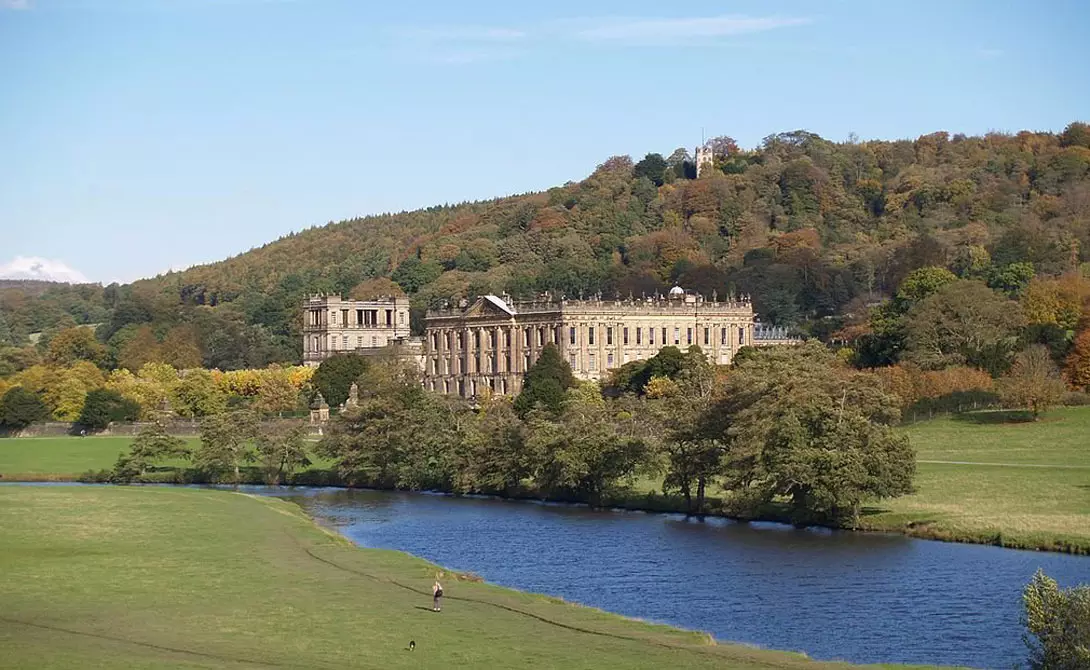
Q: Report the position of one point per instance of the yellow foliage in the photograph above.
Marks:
(1062, 301)
(661, 387)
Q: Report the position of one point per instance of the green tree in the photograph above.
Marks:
(281, 450)
(693, 448)
(587, 449)
(964, 323)
(493, 457)
(414, 274)
(545, 383)
(226, 443)
(919, 285)
(7, 339)
(1058, 623)
(798, 425)
(335, 376)
(101, 407)
(1033, 382)
(19, 408)
(1011, 279)
(653, 166)
(151, 446)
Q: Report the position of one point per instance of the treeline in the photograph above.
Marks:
(84, 394)
(814, 230)
(793, 429)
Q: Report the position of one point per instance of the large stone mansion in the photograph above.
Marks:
(491, 342)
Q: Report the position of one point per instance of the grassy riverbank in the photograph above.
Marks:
(987, 477)
(160, 577)
(982, 478)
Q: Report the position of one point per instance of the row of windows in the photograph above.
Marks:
(446, 386)
(363, 317)
(442, 366)
(450, 339)
(573, 336)
(342, 343)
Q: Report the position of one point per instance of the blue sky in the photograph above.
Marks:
(142, 135)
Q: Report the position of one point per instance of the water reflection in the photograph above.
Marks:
(832, 594)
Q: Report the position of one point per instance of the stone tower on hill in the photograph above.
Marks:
(704, 159)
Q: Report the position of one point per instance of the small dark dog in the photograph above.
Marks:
(412, 645)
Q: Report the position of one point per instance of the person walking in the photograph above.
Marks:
(436, 594)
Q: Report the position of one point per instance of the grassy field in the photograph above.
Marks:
(984, 478)
(66, 457)
(112, 577)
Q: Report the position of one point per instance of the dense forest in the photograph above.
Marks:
(820, 234)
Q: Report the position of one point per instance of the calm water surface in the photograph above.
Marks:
(834, 595)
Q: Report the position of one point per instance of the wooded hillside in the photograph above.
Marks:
(814, 230)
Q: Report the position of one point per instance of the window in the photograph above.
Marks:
(723, 336)
(625, 336)
(507, 338)
(344, 317)
(401, 318)
(609, 336)
(507, 362)
(651, 336)
(541, 337)
(572, 361)
(389, 317)
(526, 337)
(374, 341)
(593, 365)
(639, 335)
(492, 339)
(741, 336)
(664, 337)
(590, 336)
(476, 339)
(707, 336)
(359, 341)
(609, 361)
(571, 333)
(332, 316)
(677, 335)
(359, 317)
(689, 336)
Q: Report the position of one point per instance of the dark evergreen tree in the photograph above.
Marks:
(653, 166)
(545, 383)
(335, 376)
(101, 407)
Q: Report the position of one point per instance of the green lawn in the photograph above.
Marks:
(60, 455)
(1019, 484)
(117, 577)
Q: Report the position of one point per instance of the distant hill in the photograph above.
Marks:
(812, 229)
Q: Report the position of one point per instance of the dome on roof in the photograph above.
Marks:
(677, 292)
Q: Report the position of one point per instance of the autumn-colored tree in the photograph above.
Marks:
(180, 348)
(1077, 367)
(141, 348)
(1059, 301)
(75, 344)
(1033, 382)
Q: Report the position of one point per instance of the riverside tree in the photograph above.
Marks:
(151, 446)
(281, 450)
(226, 443)
(1058, 624)
(588, 448)
(798, 424)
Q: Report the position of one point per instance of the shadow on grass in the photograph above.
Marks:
(995, 417)
(873, 511)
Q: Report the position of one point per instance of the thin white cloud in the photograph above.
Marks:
(651, 31)
(44, 269)
(460, 45)
(14, 4)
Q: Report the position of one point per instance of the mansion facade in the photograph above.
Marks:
(491, 342)
(494, 341)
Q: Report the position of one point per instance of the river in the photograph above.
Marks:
(858, 597)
